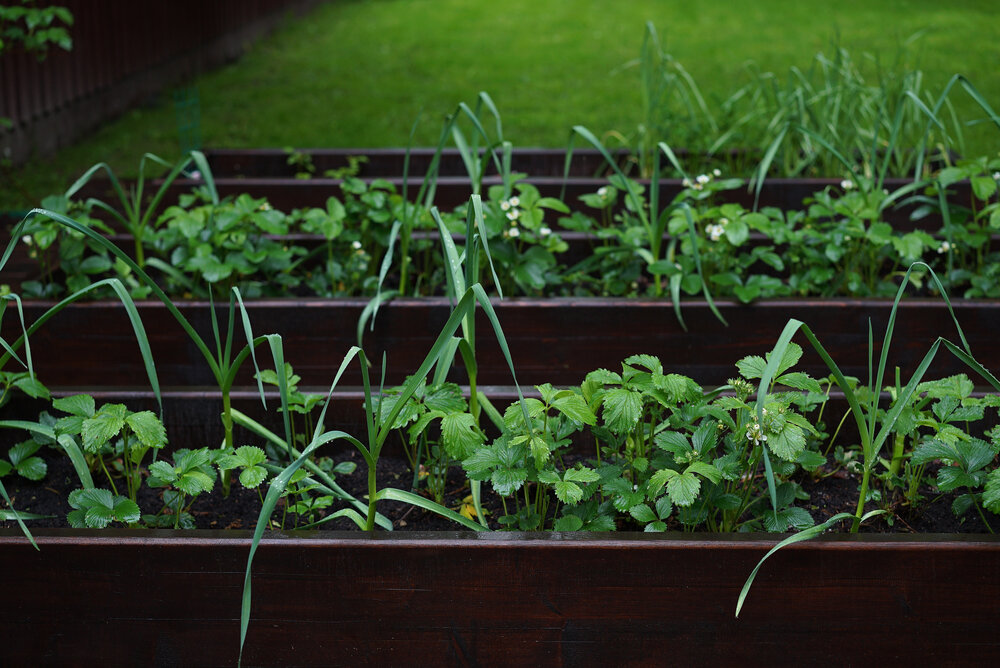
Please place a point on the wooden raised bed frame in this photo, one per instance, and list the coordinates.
(173, 598)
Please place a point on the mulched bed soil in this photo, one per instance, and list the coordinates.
(833, 494)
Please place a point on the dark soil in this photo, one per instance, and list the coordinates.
(829, 495)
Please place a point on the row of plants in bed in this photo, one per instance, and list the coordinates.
(627, 437)
(839, 245)
(629, 446)
(635, 449)
(666, 454)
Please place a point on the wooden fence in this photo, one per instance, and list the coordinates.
(124, 52)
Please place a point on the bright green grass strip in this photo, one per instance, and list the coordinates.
(356, 73)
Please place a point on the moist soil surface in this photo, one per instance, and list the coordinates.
(836, 492)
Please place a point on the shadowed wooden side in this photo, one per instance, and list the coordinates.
(551, 340)
(149, 598)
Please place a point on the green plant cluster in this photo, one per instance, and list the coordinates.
(837, 245)
(34, 28)
(665, 454)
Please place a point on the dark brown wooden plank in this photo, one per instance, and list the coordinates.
(457, 599)
(554, 340)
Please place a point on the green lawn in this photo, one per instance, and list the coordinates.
(358, 73)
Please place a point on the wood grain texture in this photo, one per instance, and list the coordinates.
(551, 340)
(159, 598)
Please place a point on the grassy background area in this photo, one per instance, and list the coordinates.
(359, 72)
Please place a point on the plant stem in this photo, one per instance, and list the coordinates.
(862, 495)
(227, 425)
(370, 520)
(108, 474)
(979, 510)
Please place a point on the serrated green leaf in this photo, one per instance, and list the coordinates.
(98, 516)
(649, 362)
(508, 481)
(729, 465)
(983, 187)
(195, 482)
(539, 450)
(961, 504)
(575, 408)
(105, 425)
(991, 492)
(787, 518)
(568, 523)
(730, 403)
(459, 435)
(658, 480)
(943, 407)
(604, 377)
(548, 477)
(125, 510)
(751, 367)
(445, 397)
(163, 471)
(22, 451)
(85, 498)
(683, 488)
(810, 460)
(252, 476)
(513, 417)
(568, 492)
(678, 388)
(788, 443)
(664, 507)
(481, 461)
(673, 442)
(77, 519)
(800, 381)
(705, 437)
(706, 470)
(975, 454)
(71, 425)
(250, 455)
(409, 412)
(583, 474)
(81, 405)
(642, 513)
(147, 428)
(930, 449)
(32, 468)
(600, 523)
(622, 409)
(952, 477)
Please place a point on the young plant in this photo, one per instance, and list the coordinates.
(873, 434)
(964, 467)
(132, 216)
(431, 450)
(378, 430)
(21, 459)
(222, 362)
(101, 428)
(190, 474)
(10, 349)
(97, 508)
(653, 221)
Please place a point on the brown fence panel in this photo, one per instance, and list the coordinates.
(122, 53)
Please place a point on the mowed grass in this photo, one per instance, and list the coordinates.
(358, 73)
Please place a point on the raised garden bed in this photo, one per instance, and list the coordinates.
(498, 599)
(551, 340)
(560, 598)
